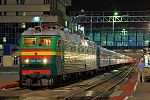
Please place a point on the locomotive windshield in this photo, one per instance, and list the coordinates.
(29, 41)
(45, 41)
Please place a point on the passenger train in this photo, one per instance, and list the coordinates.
(49, 54)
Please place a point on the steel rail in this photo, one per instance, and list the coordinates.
(88, 88)
(104, 92)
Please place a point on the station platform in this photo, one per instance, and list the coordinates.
(142, 92)
(134, 90)
(9, 77)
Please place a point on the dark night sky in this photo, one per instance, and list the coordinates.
(109, 5)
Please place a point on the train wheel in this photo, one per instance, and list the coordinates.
(61, 80)
(31, 81)
(52, 81)
(48, 83)
(41, 82)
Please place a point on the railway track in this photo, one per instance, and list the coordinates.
(16, 93)
(12, 93)
(99, 90)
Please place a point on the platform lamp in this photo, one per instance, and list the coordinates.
(123, 34)
(114, 16)
(116, 13)
(37, 19)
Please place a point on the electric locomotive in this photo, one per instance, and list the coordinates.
(48, 54)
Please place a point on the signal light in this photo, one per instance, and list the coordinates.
(49, 60)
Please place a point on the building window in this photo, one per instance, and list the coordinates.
(17, 13)
(48, 13)
(46, 1)
(17, 2)
(50, 2)
(5, 13)
(0, 2)
(5, 2)
(4, 39)
(22, 25)
(22, 2)
(56, 3)
(0, 13)
(22, 13)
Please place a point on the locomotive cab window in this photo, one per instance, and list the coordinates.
(29, 41)
(45, 41)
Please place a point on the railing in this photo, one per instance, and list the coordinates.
(107, 16)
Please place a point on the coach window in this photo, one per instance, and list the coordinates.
(45, 41)
(5, 2)
(29, 41)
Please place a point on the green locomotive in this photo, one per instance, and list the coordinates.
(49, 54)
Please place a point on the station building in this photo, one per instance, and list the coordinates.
(18, 15)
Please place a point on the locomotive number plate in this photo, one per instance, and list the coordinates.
(38, 60)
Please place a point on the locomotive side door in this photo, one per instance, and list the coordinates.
(59, 56)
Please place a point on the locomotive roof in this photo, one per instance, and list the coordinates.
(57, 32)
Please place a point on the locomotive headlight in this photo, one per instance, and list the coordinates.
(44, 60)
(27, 60)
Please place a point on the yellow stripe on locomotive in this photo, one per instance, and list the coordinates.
(41, 53)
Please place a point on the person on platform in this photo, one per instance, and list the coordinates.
(140, 68)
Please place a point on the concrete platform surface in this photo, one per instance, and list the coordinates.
(8, 77)
(142, 92)
(128, 89)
